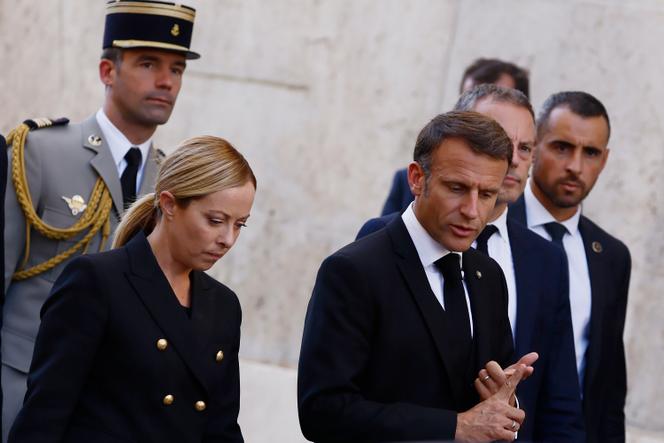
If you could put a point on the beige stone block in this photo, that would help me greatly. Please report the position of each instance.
(268, 403)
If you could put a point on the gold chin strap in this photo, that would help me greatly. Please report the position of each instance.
(94, 218)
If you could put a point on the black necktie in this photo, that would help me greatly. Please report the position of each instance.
(456, 309)
(128, 179)
(557, 232)
(483, 239)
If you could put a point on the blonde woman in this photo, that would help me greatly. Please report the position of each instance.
(138, 344)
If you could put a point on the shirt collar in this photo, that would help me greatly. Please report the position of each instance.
(538, 215)
(117, 142)
(428, 249)
(501, 224)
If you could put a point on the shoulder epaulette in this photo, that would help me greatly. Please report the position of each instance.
(38, 123)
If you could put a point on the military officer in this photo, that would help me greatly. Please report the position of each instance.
(71, 182)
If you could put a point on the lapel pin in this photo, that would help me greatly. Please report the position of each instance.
(597, 247)
(94, 140)
(478, 274)
(76, 204)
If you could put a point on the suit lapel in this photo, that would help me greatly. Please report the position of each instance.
(149, 172)
(415, 278)
(517, 211)
(478, 289)
(154, 290)
(103, 162)
(525, 259)
(597, 267)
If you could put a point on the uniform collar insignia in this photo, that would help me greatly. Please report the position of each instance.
(94, 140)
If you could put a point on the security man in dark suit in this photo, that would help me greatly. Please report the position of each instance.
(572, 136)
(536, 274)
(400, 322)
(72, 182)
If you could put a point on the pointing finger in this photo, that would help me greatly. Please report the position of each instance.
(529, 359)
(506, 390)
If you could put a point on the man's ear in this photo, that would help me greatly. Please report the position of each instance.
(416, 178)
(167, 204)
(107, 72)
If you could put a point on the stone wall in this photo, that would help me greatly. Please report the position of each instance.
(325, 98)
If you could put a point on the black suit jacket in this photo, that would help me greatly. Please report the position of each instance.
(97, 374)
(400, 195)
(605, 380)
(374, 364)
(550, 396)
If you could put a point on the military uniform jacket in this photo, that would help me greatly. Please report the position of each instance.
(61, 161)
(118, 359)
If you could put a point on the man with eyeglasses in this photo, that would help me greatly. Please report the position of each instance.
(536, 275)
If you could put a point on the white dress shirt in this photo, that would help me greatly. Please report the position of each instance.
(499, 249)
(579, 277)
(429, 250)
(119, 146)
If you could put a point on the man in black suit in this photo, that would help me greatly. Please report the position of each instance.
(572, 136)
(395, 330)
(536, 276)
(481, 71)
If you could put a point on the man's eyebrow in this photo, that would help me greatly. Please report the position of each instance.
(147, 57)
(563, 142)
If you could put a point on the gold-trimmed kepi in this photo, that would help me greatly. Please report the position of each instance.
(149, 24)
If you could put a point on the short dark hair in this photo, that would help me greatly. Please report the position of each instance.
(112, 54)
(489, 70)
(469, 99)
(579, 102)
(483, 135)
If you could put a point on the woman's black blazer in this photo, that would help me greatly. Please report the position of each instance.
(117, 358)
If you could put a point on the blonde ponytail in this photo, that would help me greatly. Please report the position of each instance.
(141, 216)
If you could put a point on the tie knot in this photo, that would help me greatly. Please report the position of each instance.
(556, 231)
(449, 266)
(133, 156)
(486, 233)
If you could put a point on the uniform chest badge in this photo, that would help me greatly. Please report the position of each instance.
(76, 204)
